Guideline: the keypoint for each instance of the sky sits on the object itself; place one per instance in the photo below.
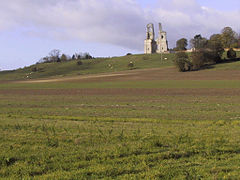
(30, 29)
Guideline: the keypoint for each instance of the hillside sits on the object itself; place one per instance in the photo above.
(92, 66)
(100, 65)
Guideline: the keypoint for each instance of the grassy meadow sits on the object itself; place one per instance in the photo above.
(148, 124)
(90, 66)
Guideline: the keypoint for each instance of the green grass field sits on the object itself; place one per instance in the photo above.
(168, 126)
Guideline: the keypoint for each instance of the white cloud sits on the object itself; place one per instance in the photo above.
(118, 22)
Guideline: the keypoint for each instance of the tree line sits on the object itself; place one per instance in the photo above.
(55, 55)
(206, 51)
(228, 38)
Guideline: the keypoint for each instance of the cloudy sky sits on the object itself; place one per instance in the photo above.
(29, 29)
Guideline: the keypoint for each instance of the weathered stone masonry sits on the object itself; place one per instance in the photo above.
(155, 46)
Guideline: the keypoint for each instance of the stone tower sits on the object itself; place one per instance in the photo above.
(162, 44)
(150, 45)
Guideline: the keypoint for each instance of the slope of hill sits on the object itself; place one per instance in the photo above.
(101, 65)
(92, 66)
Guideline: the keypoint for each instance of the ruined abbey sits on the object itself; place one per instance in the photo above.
(155, 46)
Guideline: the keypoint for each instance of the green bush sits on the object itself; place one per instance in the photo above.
(231, 54)
(63, 58)
(203, 57)
(182, 62)
(131, 65)
(79, 63)
(34, 69)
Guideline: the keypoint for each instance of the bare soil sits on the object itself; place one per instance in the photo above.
(126, 91)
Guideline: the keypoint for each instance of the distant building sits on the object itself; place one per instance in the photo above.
(160, 45)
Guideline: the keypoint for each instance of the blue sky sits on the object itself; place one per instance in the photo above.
(222, 5)
(30, 29)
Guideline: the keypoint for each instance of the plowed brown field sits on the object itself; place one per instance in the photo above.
(126, 91)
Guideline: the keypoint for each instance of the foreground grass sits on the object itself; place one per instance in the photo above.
(155, 129)
(70, 135)
(93, 149)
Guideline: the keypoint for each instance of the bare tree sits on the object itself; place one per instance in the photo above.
(55, 55)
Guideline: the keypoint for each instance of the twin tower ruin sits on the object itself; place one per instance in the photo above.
(155, 46)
